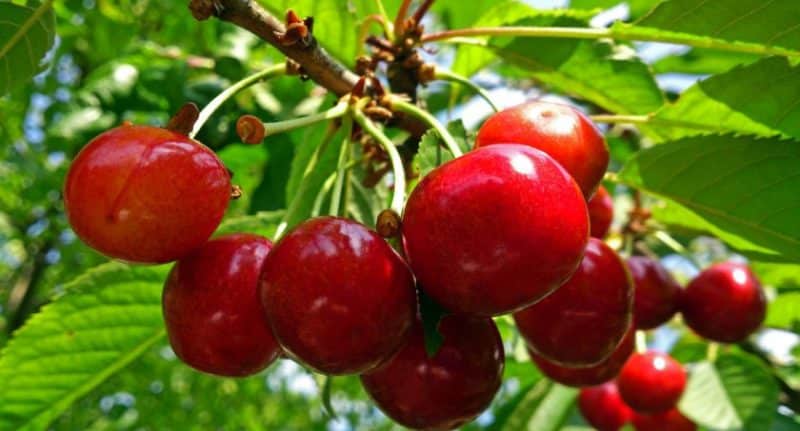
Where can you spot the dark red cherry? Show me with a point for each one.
(651, 382)
(603, 408)
(589, 376)
(495, 230)
(672, 420)
(656, 295)
(559, 130)
(724, 303)
(447, 390)
(601, 212)
(581, 323)
(145, 194)
(338, 298)
(214, 320)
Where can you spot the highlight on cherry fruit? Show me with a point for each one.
(400, 214)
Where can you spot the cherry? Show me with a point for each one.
(601, 212)
(603, 408)
(656, 294)
(724, 303)
(589, 376)
(213, 318)
(448, 389)
(581, 323)
(651, 382)
(672, 420)
(495, 230)
(559, 130)
(145, 194)
(338, 298)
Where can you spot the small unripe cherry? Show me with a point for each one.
(657, 294)
(672, 420)
(601, 212)
(651, 382)
(603, 408)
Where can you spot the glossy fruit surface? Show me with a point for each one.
(603, 408)
(725, 303)
(672, 420)
(588, 376)
(447, 390)
(657, 294)
(145, 194)
(214, 320)
(495, 230)
(338, 298)
(601, 213)
(581, 323)
(651, 382)
(559, 130)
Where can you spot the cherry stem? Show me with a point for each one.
(398, 170)
(448, 75)
(422, 10)
(712, 352)
(208, 110)
(340, 193)
(641, 341)
(632, 119)
(430, 120)
(284, 126)
(670, 242)
(401, 17)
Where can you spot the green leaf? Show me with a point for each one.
(703, 61)
(26, 34)
(432, 314)
(737, 392)
(544, 406)
(109, 317)
(782, 276)
(637, 8)
(741, 188)
(263, 223)
(432, 152)
(784, 312)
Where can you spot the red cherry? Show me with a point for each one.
(724, 303)
(656, 293)
(589, 376)
(338, 298)
(145, 194)
(581, 323)
(601, 212)
(447, 390)
(495, 230)
(211, 310)
(559, 130)
(651, 382)
(672, 420)
(603, 408)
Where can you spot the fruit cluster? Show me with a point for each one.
(513, 227)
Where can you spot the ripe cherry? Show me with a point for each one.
(338, 298)
(581, 323)
(447, 390)
(724, 303)
(213, 317)
(589, 376)
(603, 408)
(495, 230)
(601, 212)
(559, 130)
(651, 382)
(145, 194)
(656, 293)
(672, 420)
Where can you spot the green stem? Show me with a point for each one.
(284, 126)
(633, 119)
(641, 342)
(413, 110)
(399, 193)
(448, 75)
(713, 351)
(208, 110)
(670, 242)
(386, 23)
(342, 171)
(323, 191)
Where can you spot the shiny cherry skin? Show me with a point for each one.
(657, 294)
(145, 194)
(603, 408)
(214, 320)
(672, 420)
(651, 382)
(588, 376)
(339, 299)
(447, 390)
(581, 323)
(495, 230)
(725, 303)
(563, 132)
(601, 213)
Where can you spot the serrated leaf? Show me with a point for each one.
(737, 392)
(263, 223)
(636, 8)
(26, 34)
(742, 188)
(544, 406)
(784, 312)
(432, 152)
(782, 276)
(703, 61)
